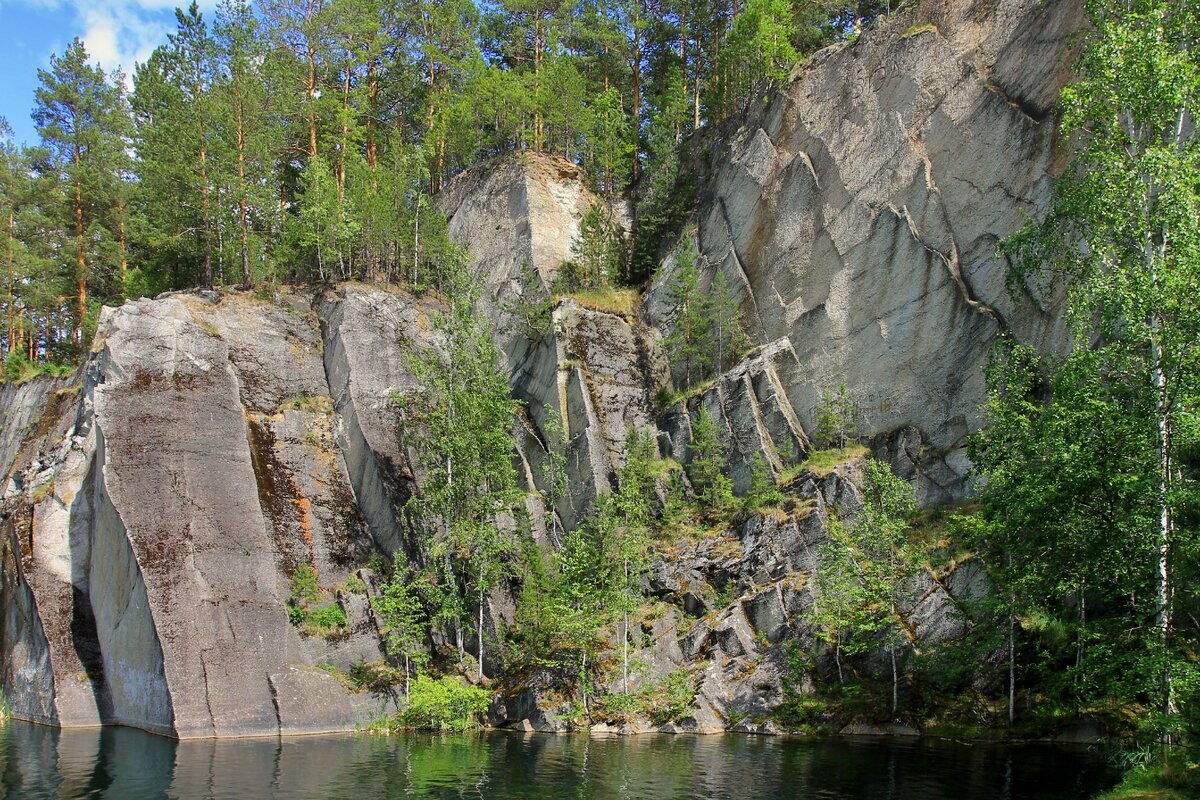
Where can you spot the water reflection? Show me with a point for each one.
(124, 764)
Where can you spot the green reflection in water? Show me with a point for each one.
(124, 764)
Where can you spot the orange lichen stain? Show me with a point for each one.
(306, 524)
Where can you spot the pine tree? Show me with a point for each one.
(691, 327)
(248, 127)
(597, 252)
(758, 52)
(709, 454)
(82, 118)
(835, 417)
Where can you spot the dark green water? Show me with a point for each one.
(125, 764)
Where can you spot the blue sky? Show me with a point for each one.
(117, 34)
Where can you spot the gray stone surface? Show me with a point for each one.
(156, 504)
(857, 215)
(151, 526)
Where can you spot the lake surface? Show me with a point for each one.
(125, 764)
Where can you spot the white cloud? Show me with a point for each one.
(119, 34)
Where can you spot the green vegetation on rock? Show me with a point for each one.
(443, 704)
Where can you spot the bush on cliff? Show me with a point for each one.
(443, 704)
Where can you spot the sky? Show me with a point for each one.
(116, 33)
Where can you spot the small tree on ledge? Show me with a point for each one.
(835, 417)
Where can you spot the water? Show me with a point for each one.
(125, 764)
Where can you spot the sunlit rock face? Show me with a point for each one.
(859, 211)
(157, 503)
(169, 494)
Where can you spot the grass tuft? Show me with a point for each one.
(622, 302)
(823, 462)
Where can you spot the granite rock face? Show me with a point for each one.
(857, 215)
(150, 537)
(156, 504)
(736, 603)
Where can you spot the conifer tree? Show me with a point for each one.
(707, 467)
(82, 119)
(248, 127)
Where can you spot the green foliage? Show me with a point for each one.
(283, 141)
(597, 254)
(327, 620)
(669, 197)
(823, 462)
(304, 585)
(835, 418)
(668, 699)
(1089, 461)
(757, 53)
(467, 453)
(865, 570)
(764, 492)
(19, 370)
(402, 613)
(595, 578)
(1177, 779)
(376, 677)
(707, 468)
(706, 335)
(531, 307)
(554, 472)
(443, 704)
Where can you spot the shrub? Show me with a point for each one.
(670, 698)
(324, 618)
(444, 704)
(327, 620)
(304, 586)
(374, 676)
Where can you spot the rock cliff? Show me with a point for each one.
(157, 503)
(858, 214)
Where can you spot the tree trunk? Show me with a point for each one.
(311, 88)
(80, 260)
(11, 311)
(539, 133)
(837, 656)
(344, 144)
(625, 654)
(583, 685)
(372, 151)
(205, 206)
(1012, 668)
(895, 682)
(479, 632)
(124, 266)
(1165, 523)
(636, 114)
(1082, 623)
(243, 211)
